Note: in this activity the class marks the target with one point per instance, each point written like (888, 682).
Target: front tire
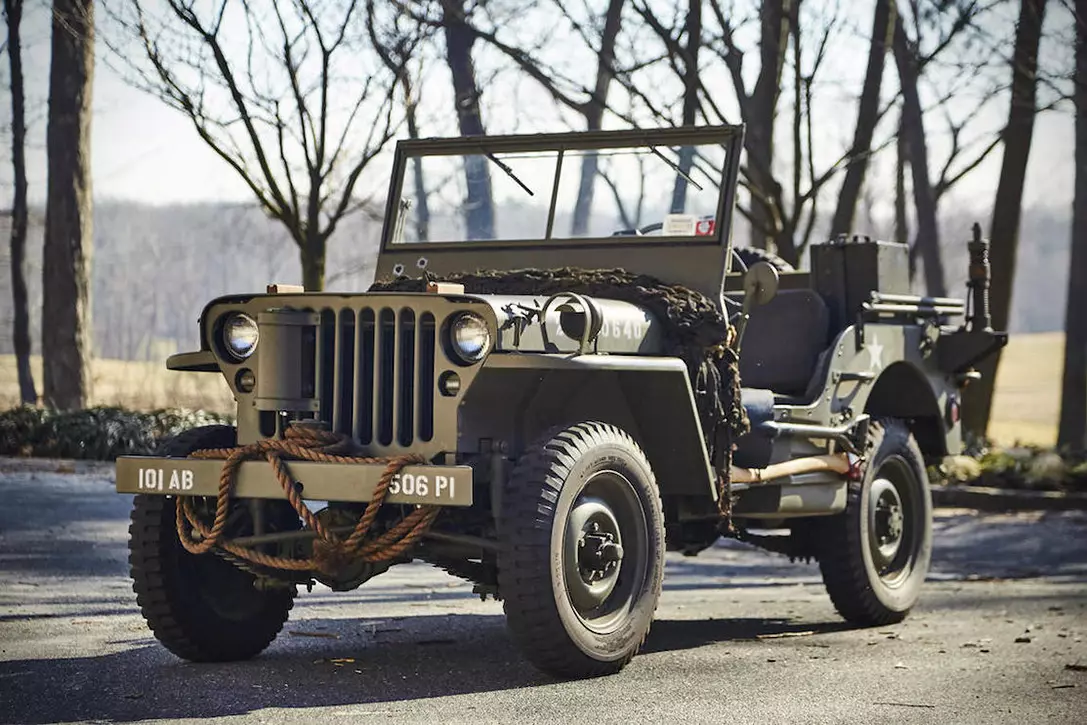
(874, 556)
(581, 561)
(201, 607)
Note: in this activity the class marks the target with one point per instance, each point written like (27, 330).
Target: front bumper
(419, 485)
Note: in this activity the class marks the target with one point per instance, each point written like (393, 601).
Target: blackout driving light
(469, 337)
(240, 335)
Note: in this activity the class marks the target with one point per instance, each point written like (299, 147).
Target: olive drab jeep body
(541, 393)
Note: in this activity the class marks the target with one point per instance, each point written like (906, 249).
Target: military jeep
(562, 370)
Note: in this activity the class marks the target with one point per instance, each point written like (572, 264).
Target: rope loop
(330, 553)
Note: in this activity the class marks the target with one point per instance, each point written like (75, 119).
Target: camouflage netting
(696, 331)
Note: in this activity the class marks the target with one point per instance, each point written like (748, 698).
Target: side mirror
(760, 286)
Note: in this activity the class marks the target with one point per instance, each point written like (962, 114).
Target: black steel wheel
(874, 557)
(202, 607)
(582, 556)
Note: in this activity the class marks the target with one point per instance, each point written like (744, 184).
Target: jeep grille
(374, 376)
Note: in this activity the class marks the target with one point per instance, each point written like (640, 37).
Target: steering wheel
(733, 309)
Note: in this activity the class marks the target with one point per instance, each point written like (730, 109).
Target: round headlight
(240, 335)
(469, 337)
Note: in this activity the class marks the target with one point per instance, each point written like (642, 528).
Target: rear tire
(752, 255)
(201, 607)
(875, 555)
(582, 551)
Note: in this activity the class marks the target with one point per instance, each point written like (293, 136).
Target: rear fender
(904, 391)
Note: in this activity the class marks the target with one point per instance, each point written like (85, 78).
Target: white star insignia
(875, 355)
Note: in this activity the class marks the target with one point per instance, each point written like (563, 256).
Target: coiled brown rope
(330, 553)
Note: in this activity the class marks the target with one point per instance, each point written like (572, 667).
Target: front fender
(518, 397)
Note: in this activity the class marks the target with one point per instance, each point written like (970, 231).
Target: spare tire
(750, 255)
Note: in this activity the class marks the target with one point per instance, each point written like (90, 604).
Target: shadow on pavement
(333, 664)
(670, 635)
(429, 656)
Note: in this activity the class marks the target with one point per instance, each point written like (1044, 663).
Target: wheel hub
(886, 521)
(598, 553)
(594, 553)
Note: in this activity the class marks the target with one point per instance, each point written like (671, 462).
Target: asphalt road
(740, 636)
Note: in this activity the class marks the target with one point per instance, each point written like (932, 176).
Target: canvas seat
(783, 342)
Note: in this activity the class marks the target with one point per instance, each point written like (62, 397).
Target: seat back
(783, 342)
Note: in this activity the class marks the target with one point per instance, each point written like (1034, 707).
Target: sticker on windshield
(678, 225)
(704, 227)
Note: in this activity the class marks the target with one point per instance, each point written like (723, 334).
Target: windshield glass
(639, 190)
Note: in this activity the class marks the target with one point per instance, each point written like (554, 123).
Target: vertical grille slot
(363, 426)
(344, 375)
(405, 378)
(386, 386)
(326, 367)
(426, 335)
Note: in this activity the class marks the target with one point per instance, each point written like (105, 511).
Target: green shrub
(101, 433)
(20, 430)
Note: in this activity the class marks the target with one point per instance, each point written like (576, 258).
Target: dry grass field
(1028, 390)
(135, 385)
(1025, 411)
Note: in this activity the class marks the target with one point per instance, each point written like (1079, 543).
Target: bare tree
(902, 228)
(590, 101)
(774, 31)
(13, 14)
(883, 25)
(396, 43)
(287, 94)
(1072, 430)
(66, 324)
(1007, 207)
(459, 38)
(913, 129)
(692, 29)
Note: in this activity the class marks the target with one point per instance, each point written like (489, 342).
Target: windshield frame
(729, 136)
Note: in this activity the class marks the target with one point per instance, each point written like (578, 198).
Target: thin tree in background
(902, 225)
(883, 25)
(1072, 431)
(459, 38)
(1008, 205)
(591, 102)
(66, 304)
(395, 43)
(774, 18)
(691, 86)
(13, 15)
(913, 130)
(287, 94)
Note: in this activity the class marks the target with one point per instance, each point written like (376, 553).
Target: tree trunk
(1072, 432)
(312, 254)
(913, 129)
(1008, 207)
(66, 309)
(422, 205)
(690, 101)
(13, 11)
(479, 205)
(902, 227)
(774, 38)
(594, 116)
(867, 116)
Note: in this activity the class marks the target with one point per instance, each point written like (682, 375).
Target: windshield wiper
(509, 171)
(675, 167)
